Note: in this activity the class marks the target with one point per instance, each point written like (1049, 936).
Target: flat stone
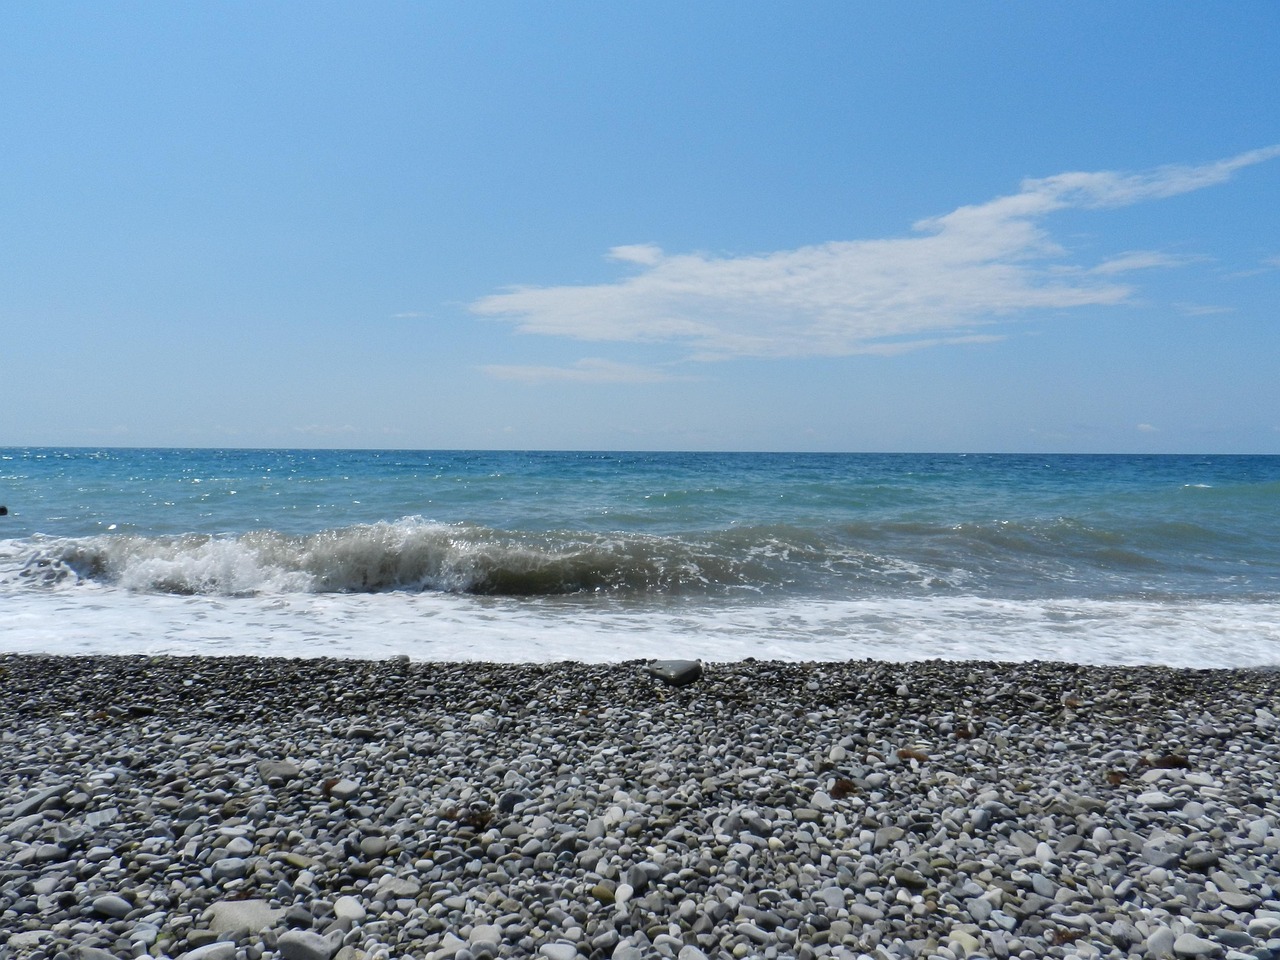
(1237, 900)
(1234, 938)
(560, 950)
(1158, 800)
(754, 932)
(254, 915)
(449, 946)
(979, 909)
(112, 906)
(1201, 860)
(967, 943)
(1160, 942)
(833, 897)
(349, 908)
(398, 888)
(21, 827)
(38, 799)
(230, 868)
(276, 773)
(866, 912)
(1189, 945)
(909, 878)
(306, 945)
(49, 852)
(211, 951)
(886, 836)
(677, 673)
(344, 790)
(27, 939)
(1263, 927)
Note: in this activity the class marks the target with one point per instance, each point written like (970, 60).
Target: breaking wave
(994, 558)
(413, 555)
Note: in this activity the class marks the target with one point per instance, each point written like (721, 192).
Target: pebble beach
(312, 809)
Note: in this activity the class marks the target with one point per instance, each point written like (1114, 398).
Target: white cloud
(642, 253)
(1148, 428)
(1202, 309)
(964, 270)
(590, 370)
(1140, 260)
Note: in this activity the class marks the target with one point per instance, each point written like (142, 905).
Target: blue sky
(828, 226)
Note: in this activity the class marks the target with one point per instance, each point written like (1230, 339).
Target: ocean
(544, 556)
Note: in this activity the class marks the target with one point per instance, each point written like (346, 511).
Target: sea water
(535, 556)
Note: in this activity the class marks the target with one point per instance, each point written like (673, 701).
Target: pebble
(112, 906)
(344, 790)
(306, 945)
(1160, 942)
(1189, 945)
(211, 951)
(349, 908)
(253, 915)
(246, 809)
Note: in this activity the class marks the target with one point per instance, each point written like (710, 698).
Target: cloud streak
(590, 370)
(961, 271)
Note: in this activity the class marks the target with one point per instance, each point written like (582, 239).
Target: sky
(888, 226)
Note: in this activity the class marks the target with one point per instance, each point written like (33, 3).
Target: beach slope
(239, 809)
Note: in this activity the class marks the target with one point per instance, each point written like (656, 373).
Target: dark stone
(1201, 860)
(509, 801)
(677, 673)
(910, 878)
(1236, 939)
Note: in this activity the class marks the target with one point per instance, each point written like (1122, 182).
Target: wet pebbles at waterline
(244, 809)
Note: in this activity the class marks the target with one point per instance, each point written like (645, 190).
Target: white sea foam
(517, 556)
(92, 619)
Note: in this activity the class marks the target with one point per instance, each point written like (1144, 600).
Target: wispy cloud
(963, 270)
(1201, 309)
(325, 429)
(1141, 260)
(591, 370)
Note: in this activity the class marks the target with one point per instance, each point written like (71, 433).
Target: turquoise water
(804, 552)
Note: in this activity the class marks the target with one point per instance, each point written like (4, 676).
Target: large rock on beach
(677, 673)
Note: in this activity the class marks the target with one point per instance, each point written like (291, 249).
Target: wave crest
(409, 554)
